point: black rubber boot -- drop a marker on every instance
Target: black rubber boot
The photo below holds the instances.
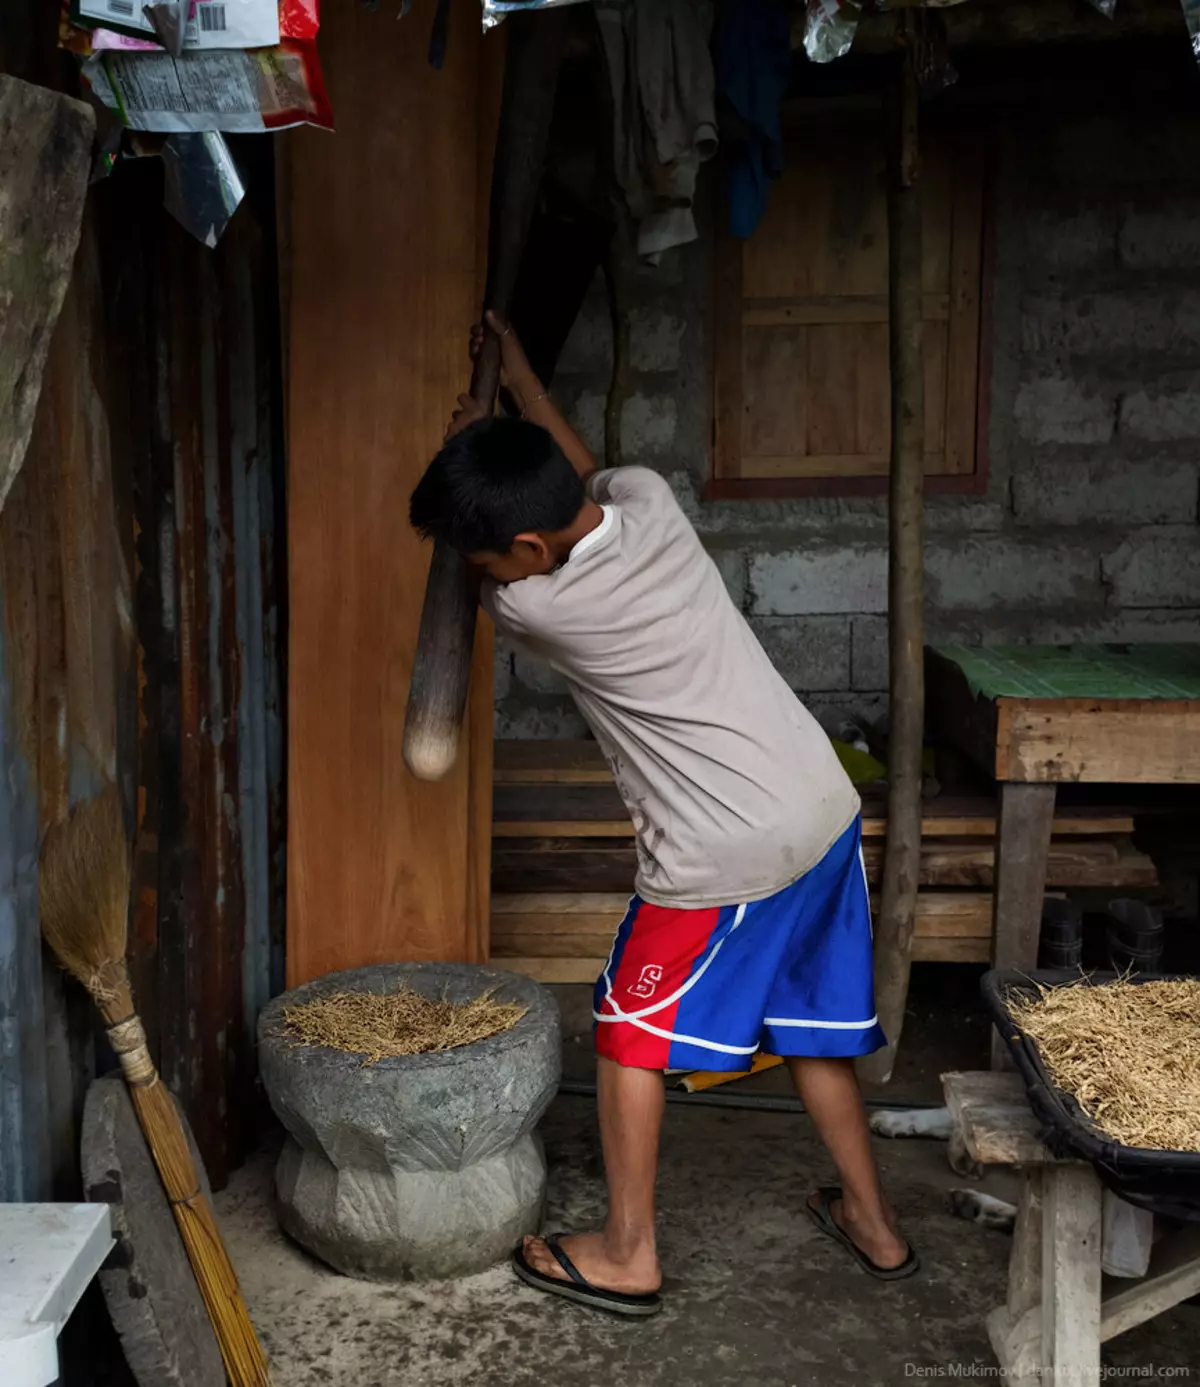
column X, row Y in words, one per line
column 1135, row 936
column 1061, row 941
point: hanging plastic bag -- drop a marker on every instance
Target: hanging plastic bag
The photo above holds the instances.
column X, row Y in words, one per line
column 202, row 188
column 494, row 11
column 829, row 29
column 1191, row 13
column 207, row 24
column 234, row 91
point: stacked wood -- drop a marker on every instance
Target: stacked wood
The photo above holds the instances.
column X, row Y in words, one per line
column 564, row 860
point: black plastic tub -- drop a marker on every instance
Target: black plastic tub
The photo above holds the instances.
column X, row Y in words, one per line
column 1165, row 1182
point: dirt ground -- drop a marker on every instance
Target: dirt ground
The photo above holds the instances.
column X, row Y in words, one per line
column 755, row 1296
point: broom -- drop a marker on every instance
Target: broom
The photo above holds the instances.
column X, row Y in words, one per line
column 83, row 882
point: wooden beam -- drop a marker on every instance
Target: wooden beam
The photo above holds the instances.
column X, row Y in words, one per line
column 1123, row 741
column 906, row 572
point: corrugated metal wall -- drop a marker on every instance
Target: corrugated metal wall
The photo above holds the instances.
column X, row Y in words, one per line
column 140, row 585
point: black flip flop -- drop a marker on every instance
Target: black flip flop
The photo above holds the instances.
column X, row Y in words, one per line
column 578, row 1289
column 822, row 1215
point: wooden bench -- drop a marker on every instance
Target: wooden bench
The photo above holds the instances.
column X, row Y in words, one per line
column 564, row 860
column 1059, row 1308
column 48, row 1255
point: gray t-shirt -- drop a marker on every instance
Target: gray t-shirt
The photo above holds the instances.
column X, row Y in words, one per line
column 733, row 787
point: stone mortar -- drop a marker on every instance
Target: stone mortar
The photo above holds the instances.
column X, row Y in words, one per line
column 422, row 1166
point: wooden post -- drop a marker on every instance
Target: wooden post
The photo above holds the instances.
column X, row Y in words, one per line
column 906, row 573
column 1023, row 832
column 1071, row 1276
column 619, row 272
column 437, row 695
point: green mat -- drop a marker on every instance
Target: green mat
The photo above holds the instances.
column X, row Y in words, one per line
column 1078, row 671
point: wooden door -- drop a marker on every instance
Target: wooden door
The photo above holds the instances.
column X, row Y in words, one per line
column 802, row 380
column 381, row 237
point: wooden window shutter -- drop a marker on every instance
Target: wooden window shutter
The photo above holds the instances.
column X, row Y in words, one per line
column 801, row 356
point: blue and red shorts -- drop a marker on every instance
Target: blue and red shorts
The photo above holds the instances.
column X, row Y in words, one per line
column 707, row 989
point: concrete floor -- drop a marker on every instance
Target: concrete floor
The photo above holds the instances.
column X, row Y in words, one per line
column 754, row 1295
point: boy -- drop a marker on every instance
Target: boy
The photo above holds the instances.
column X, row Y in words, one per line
column 751, row 922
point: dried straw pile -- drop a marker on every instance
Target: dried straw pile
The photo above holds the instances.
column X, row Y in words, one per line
column 1129, row 1053
column 381, row 1026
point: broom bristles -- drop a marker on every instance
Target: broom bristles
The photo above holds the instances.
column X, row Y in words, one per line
column 245, row 1361
column 83, row 884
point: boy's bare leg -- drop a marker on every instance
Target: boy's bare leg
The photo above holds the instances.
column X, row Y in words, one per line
column 624, row 1256
column 829, row 1088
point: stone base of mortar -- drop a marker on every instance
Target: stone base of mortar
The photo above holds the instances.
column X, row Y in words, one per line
column 411, row 1225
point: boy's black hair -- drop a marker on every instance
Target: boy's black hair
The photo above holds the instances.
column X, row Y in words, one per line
column 497, row 479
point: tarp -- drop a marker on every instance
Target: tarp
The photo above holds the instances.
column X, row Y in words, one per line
column 1078, row 671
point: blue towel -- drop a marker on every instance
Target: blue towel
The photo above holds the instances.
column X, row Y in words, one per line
column 753, row 67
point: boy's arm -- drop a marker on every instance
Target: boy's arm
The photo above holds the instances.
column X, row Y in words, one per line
column 533, row 399
column 539, row 408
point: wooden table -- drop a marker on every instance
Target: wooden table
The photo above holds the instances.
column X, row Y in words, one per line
column 1059, row 1308
column 1035, row 717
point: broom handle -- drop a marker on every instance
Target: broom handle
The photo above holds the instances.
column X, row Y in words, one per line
column 245, row 1362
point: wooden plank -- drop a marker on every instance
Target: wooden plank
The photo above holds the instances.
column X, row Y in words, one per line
column 952, row 914
column 556, row 970
column 1071, row 1274
column 1071, row 823
column 367, row 409
column 560, row 903
column 993, row 1115
column 832, row 385
column 935, row 353
column 775, row 410
column 569, row 864
column 949, row 950
column 562, row 763
column 1132, row 741
column 1025, row 1260
column 1072, row 862
column 1023, row 845
column 566, row 802
column 597, row 941
column 850, row 463
column 1173, row 1277
column 940, row 914
column 560, row 828
column 829, row 308
column 1014, row 1328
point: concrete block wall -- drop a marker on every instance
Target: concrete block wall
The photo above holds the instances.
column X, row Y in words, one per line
column 1090, row 525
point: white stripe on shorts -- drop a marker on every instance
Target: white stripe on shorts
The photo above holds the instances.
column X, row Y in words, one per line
column 820, row 1025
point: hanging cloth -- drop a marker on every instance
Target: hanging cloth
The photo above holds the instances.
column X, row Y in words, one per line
column 664, row 116
column 754, row 67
